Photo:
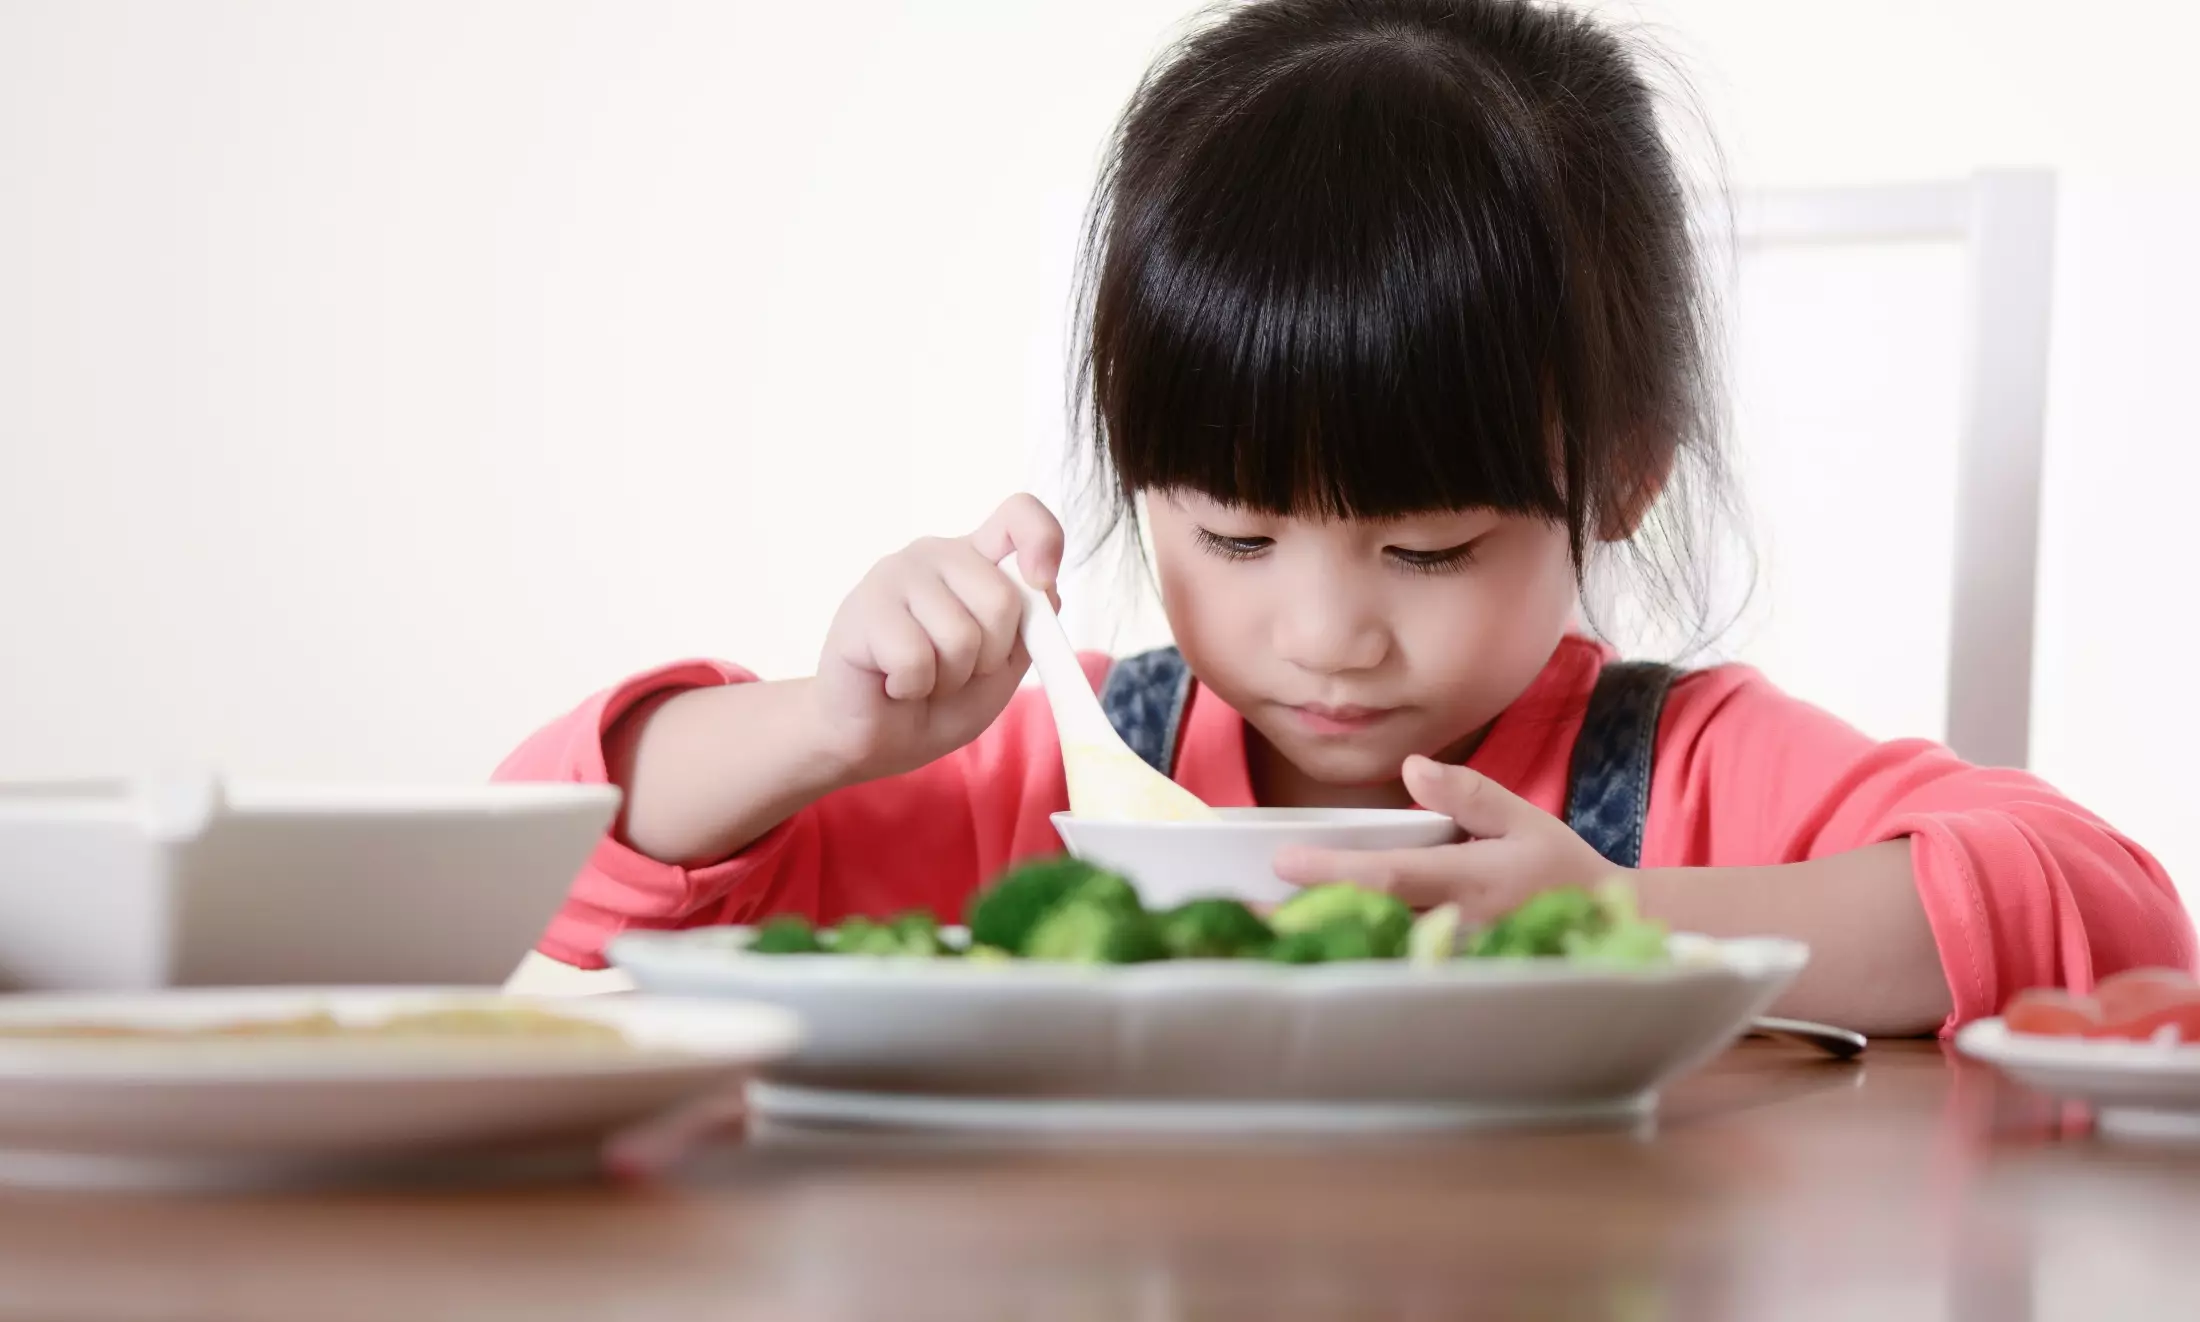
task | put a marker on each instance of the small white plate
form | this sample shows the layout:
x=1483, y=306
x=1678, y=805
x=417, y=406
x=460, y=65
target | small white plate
x=1200, y=1044
x=2138, y=1089
x=236, y=1112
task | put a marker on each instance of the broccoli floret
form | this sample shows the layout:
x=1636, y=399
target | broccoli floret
x=1343, y=939
x=1386, y=920
x=1298, y=948
x=1214, y=929
x=1107, y=890
x=988, y=955
x=1537, y=927
x=920, y=934
x=914, y=934
x=1434, y=935
x=1083, y=931
x=788, y=935
x=1623, y=936
x=1005, y=913
x=1578, y=924
x=861, y=936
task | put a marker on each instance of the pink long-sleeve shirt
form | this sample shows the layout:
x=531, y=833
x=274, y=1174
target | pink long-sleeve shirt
x=2022, y=887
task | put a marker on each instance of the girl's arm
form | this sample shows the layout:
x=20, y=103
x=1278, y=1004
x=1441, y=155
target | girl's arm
x=2017, y=885
x=706, y=772
x=922, y=657
x=1874, y=964
x=922, y=838
x=1929, y=890
x=709, y=770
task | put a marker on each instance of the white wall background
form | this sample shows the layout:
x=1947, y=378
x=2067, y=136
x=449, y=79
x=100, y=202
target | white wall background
x=378, y=378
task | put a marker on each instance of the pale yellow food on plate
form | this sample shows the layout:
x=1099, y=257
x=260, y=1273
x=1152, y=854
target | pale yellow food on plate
x=452, y=1024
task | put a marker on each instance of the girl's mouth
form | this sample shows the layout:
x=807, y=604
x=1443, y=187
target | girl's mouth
x=1324, y=720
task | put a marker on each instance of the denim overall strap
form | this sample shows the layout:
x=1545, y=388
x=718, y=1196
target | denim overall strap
x=1608, y=788
x=1144, y=698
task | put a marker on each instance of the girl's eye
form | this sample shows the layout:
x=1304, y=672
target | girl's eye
x=1234, y=548
x=1433, y=562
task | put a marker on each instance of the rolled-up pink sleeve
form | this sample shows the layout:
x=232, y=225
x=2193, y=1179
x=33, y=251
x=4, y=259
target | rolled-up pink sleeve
x=2022, y=887
x=920, y=840
x=620, y=888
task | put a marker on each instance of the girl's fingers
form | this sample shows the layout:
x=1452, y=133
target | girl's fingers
x=992, y=601
x=1027, y=529
x=956, y=639
x=901, y=650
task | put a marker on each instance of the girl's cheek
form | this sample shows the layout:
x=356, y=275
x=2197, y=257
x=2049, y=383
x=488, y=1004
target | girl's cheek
x=1505, y=616
x=1200, y=608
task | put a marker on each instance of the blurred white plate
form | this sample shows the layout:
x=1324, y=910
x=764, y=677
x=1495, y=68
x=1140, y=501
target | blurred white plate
x=1226, y=1044
x=2137, y=1088
x=200, y=882
x=242, y=1111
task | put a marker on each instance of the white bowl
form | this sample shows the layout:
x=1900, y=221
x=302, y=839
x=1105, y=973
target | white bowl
x=109, y=886
x=1227, y=1045
x=232, y=1112
x=1175, y=861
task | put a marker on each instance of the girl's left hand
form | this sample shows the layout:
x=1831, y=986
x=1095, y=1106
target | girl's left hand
x=1513, y=850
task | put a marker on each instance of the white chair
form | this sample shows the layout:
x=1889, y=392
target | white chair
x=1993, y=239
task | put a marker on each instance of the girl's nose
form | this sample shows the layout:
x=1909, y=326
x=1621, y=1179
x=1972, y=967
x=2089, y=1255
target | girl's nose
x=1331, y=632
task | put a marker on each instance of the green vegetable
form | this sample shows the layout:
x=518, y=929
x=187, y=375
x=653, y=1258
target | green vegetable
x=1214, y=929
x=1600, y=926
x=1106, y=890
x=1005, y=913
x=861, y=936
x=1537, y=927
x=920, y=933
x=1434, y=937
x=1623, y=937
x=789, y=935
x=1299, y=948
x=1383, y=920
x=1342, y=940
x=915, y=934
x=1086, y=930
x=1067, y=911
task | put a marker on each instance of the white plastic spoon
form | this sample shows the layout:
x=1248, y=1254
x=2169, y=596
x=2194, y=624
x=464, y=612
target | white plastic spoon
x=1106, y=779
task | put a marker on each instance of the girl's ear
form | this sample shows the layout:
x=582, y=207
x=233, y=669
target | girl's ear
x=1635, y=499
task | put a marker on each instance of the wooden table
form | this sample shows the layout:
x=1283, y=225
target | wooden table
x=1775, y=1186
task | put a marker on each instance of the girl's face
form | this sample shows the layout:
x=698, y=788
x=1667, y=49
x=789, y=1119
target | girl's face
x=1349, y=645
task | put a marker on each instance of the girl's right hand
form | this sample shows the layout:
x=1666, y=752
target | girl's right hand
x=926, y=651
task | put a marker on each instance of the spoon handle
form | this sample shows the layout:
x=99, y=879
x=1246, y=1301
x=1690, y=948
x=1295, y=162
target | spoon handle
x=1840, y=1043
x=1105, y=778
x=1077, y=715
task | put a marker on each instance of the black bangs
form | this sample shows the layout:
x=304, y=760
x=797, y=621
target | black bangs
x=1299, y=329
x=1362, y=258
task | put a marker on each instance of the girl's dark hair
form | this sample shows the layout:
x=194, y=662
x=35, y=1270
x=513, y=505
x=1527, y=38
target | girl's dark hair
x=1360, y=258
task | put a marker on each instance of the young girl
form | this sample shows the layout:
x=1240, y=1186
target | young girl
x=1395, y=325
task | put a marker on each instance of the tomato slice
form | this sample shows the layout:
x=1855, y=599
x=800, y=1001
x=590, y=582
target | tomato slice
x=2050, y=1012
x=2137, y=993
x=2181, y=1023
